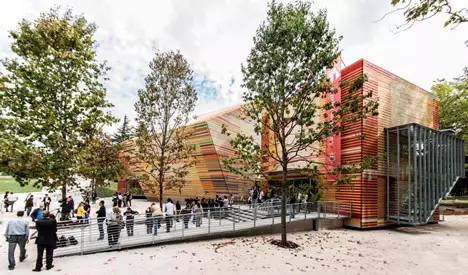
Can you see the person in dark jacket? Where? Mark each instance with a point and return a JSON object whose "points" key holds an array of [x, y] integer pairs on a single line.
{"points": [[178, 207], [186, 215], [130, 220], [46, 240], [46, 201], [101, 216], [29, 204]]}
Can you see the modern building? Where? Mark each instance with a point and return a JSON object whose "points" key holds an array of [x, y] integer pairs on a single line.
{"points": [[417, 164], [208, 177]]}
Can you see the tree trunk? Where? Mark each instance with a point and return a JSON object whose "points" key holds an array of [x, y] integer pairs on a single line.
{"points": [[283, 205], [64, 191]]}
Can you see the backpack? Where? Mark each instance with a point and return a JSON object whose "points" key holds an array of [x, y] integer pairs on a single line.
{"points": [[72, 240], [62, 241]]}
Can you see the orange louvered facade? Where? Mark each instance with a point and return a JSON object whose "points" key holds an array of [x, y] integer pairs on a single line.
{"points": [[400, 102]]}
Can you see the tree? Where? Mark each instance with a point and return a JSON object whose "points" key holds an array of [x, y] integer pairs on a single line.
{"points": [[124, 132], [52, 97], [453, 107], [285, 85], [100, 161], [163, 111], [420, 10]]}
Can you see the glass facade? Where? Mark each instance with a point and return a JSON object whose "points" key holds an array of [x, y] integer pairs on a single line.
{"points": [[423, 165]]}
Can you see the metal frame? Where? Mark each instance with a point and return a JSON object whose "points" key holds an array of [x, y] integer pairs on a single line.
{"points": [[435, 162]]}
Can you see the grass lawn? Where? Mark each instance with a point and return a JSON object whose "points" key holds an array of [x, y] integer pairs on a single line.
{"points": [[108, 191], [7, 183]]}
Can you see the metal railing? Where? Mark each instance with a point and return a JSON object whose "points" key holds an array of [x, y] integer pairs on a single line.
{"points": [[93, 235]]}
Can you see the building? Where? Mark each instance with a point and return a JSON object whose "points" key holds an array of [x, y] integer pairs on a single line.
{"points": [[417, 165], [208, 177]]}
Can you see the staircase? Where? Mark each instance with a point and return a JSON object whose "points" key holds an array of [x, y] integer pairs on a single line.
{"points": [[423, 166]]}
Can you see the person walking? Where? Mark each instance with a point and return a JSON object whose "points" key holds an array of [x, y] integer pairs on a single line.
{"points": [[101, 216], [12, 198], [93, 196], [197, 214], [169, 210], [124, 200], [67, 208], [29, 204], [119, 200], [178, 208], [80, 212], [129, 198], [46, 201], [186, 215], [37, 214], [115, 200], [87, 209], [46, 240], [130, 220], [114, 221], [72, 206], [17, 233], [157, 214]]}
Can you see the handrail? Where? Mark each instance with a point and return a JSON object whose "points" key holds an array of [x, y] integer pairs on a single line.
{"points": [[140, 230]]}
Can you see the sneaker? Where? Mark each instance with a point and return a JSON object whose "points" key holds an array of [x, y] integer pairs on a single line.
{"points": [[36, 270], [25, 257], [11, 268], [49, 267]]}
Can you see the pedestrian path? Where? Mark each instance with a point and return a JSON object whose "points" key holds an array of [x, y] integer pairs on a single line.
{"points": [[232, 220]]}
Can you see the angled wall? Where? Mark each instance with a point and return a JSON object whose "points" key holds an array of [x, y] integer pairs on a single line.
{"points": [[208, 177]]}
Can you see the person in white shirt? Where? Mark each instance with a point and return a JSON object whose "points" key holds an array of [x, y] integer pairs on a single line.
{"points": [[169, 210], [17, 233], [262, 196], [12, 198]]}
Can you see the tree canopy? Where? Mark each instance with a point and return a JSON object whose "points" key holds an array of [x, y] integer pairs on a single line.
{"points": [[124, 132], [420, 10], [163, 110], [51, 97], [453, 107], [286, 85]]}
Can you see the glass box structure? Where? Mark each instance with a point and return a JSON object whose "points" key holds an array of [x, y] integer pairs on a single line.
{"points": [[423, 166]]}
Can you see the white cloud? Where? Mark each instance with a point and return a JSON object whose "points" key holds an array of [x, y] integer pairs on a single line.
{"points": [[216, 36]]}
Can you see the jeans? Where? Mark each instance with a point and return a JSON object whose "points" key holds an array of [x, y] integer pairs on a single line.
{"points": [[113, 233], [14, 240], [28, 210], [101, 227], [168, 222], [40, 254], [149, 225], [155, 225], [129, 225]]}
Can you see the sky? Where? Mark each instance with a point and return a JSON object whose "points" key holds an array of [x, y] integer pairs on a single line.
{"points": [[216, 36]]}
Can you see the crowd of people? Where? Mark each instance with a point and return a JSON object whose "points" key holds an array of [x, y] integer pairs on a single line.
{"points": [[122, 200], [190, 211]]}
